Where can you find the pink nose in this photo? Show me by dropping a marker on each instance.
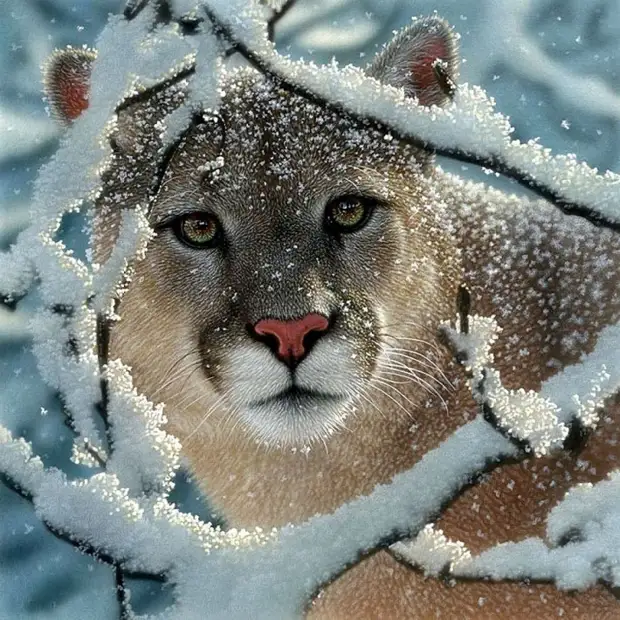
(291, 336)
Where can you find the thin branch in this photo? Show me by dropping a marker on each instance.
(277, 16)
(444, 79)
(95, 454)
(147, 93)
(463, 307)
(103, 343)
(122, 595)
(103, 349)
(449, 576)
(10, 303)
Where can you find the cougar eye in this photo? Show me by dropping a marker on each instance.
(348, 214)
(197, 230)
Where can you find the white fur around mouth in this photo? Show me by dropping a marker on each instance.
(275, 410)
(298, 396)
(299, 422)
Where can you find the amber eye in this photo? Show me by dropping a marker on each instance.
(348, 214)
(198, 230)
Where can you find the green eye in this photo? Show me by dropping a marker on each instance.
(348, 214)
(198, 230)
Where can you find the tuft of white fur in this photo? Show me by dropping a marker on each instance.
(256, 376)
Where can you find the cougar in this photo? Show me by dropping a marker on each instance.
(287, 313)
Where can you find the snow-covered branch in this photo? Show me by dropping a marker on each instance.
(151, 536)
(582, 547)
(540, 421)
(583, 530)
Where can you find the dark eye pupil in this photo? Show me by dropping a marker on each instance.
(348, 214)
(348, 211)
(198, 229)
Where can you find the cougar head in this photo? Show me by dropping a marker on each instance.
(295, 250)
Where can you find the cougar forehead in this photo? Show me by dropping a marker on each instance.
(270, 150)
(266, 167)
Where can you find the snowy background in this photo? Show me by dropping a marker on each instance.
(551, 65)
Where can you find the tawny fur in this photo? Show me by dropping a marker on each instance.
(550, 280)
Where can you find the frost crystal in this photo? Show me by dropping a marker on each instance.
(432, 551)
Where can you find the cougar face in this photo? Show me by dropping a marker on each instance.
(276, 268)
(297, 255)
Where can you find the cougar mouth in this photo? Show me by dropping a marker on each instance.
(296, 396)
(283, 410)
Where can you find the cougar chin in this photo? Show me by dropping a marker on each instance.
(281, 407)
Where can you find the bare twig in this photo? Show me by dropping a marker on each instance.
(463, 307)
(122, 596)
(10, 303)
(277, 16)
(133, 8)
(444, 79)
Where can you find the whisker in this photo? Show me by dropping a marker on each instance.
(409, 353)
(233, 414)
(363, 393)
(180, 359)
(181, 405)
(421, 382)
(383, 382)
(418, 371)
(425, 328)
(209, 412)
(428, 343)
(190, 399)
(175, 376)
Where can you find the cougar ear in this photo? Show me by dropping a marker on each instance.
(423, 59)
(66, 81)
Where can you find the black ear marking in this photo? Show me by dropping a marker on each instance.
(66, 82)
(444, 79)
(422, 59)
